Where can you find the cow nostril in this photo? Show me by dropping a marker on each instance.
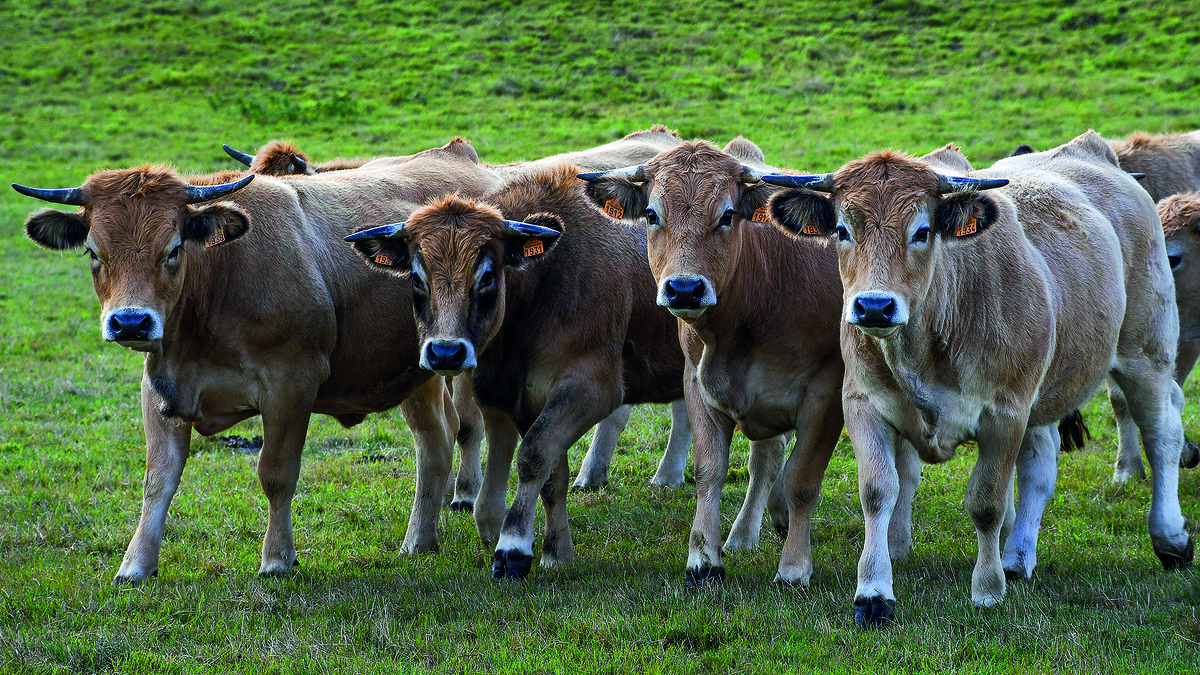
(145, 323)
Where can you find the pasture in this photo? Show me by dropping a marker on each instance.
(88, 85)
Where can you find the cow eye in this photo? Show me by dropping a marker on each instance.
(174, 254)
(1175, 260)
(726, 219)
(418, 283)
(651, 218)
(92, 255)
(921, 235)
(842, 233)
(486, 280)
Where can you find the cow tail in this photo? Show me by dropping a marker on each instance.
(1073, 431)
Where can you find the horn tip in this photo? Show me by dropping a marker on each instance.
(590, 177)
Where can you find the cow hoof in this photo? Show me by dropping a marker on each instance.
(1190, 457)
(589, 487)
(513, 565)
(797, 576)
(1176, 559)
(874, 612)
(463, 506)
(133, 578)
(708, 575)
(278, 569)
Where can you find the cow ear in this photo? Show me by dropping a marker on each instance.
(754, 205)
(386, 254)
(803, 212)
(964, 214)
(57, 230)
(215, 224)
(618, 197)
(523, 245)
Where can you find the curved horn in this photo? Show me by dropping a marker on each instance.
(238, 155)
(204, 193)
(529, 230)
(1137, 176)
(948, 184)
(636, 174)
(69, 196)
(817, 181)
(300, 166)
(395, 231)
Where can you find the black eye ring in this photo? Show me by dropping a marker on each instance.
(651, 217)
(726, 219)
(842, 233)
(921, 235)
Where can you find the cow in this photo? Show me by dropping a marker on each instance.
(759, 355)
(988, 307)
(549, 307)
(246, 302)
(284, 158)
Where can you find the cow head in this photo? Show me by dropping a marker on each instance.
(1181, 224)
(138, 227)
(457, 254)
(695, 200)
(277, 158)
(890, 214)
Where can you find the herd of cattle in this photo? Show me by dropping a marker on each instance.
(916, 302)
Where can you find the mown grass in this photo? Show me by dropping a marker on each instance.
(90, 84)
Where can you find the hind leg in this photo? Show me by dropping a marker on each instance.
(908, 471)
(674, 461)
(1129, 455)
(593, 473)
(470, 446)
(1037, 475)
(766, 458)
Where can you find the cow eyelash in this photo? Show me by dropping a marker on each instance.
(91, 254)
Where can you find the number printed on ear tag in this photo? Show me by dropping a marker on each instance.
(811, 228)
(533, 247)
(761, 215)
(969, 227)
(215, 238)
(383, 259)
(613, 208)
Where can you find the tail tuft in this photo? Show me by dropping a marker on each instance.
(1073, 431)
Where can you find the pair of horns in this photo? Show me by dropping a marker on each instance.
(823, 182)
(637, 174)
(298, 162)
(397, 231)
(74, 196)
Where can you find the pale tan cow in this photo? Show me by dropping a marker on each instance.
(247, 302)
(988, 308)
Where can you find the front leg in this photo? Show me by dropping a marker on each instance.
(167, 442)
(988, 493)
(713, 431)
(491, 504)
(470, 445)
(433, 423)
(285, 425)
(765, 461)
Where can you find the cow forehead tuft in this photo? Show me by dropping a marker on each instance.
(693, 157)
(1178, 212)
(151, 182)
(888, 171)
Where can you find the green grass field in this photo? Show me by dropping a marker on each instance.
(88, 85)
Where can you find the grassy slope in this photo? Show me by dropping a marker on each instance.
(89, 85)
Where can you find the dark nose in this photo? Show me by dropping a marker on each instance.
(684, 292)
(875, 311)
(130, 326)
(445, 355)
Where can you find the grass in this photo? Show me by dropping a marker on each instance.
(90, 85)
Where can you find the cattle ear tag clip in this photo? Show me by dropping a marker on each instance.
(533, 247)
(811, 228)
(761, 215)
(215, 238)
(969, 227)
(383, 259)
(613, 208)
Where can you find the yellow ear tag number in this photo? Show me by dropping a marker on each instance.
(534, 247)
(969, 227)
(383, 259)
(761, 215)
(215, 238)
(811, 228)
(613, 208)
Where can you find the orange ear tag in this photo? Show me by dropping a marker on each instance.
(761, 215)
(215, 238)
(383, 259)
(533, 247)
(613, 208)
(811, 228)
(969, 227)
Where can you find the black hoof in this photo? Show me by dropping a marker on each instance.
(511, 565)
(1190, 457)
(462, 506)
(1013, 574)
(874, 612)
(705, 576)
(1175, 560)
(782, 531)
(589, 488)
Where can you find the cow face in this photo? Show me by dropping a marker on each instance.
(695, 200)
(890, 214)
(457, 254)
(137, 227)
(1181, 224)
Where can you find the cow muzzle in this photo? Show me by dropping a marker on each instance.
(686, 295)
(137, 328)
(447, 357)
(877, 313)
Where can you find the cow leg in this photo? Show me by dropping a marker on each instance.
(470, 442)
(989, 490)
(572, 407)
(1155, 403)
(673, 464)
(1037, 475)
(593, 473)
(285, 425)
(713, 433)
(817, 432)
(491, 505)
(908, 473)
(874, 443)
(431, 419)
(167, 442)
(1129, 454)
(557, 547)
(766, 458)
(1185, 360)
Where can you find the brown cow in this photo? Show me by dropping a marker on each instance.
(769, 366)
(988, 308)
(548, 306)
(247, 302)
